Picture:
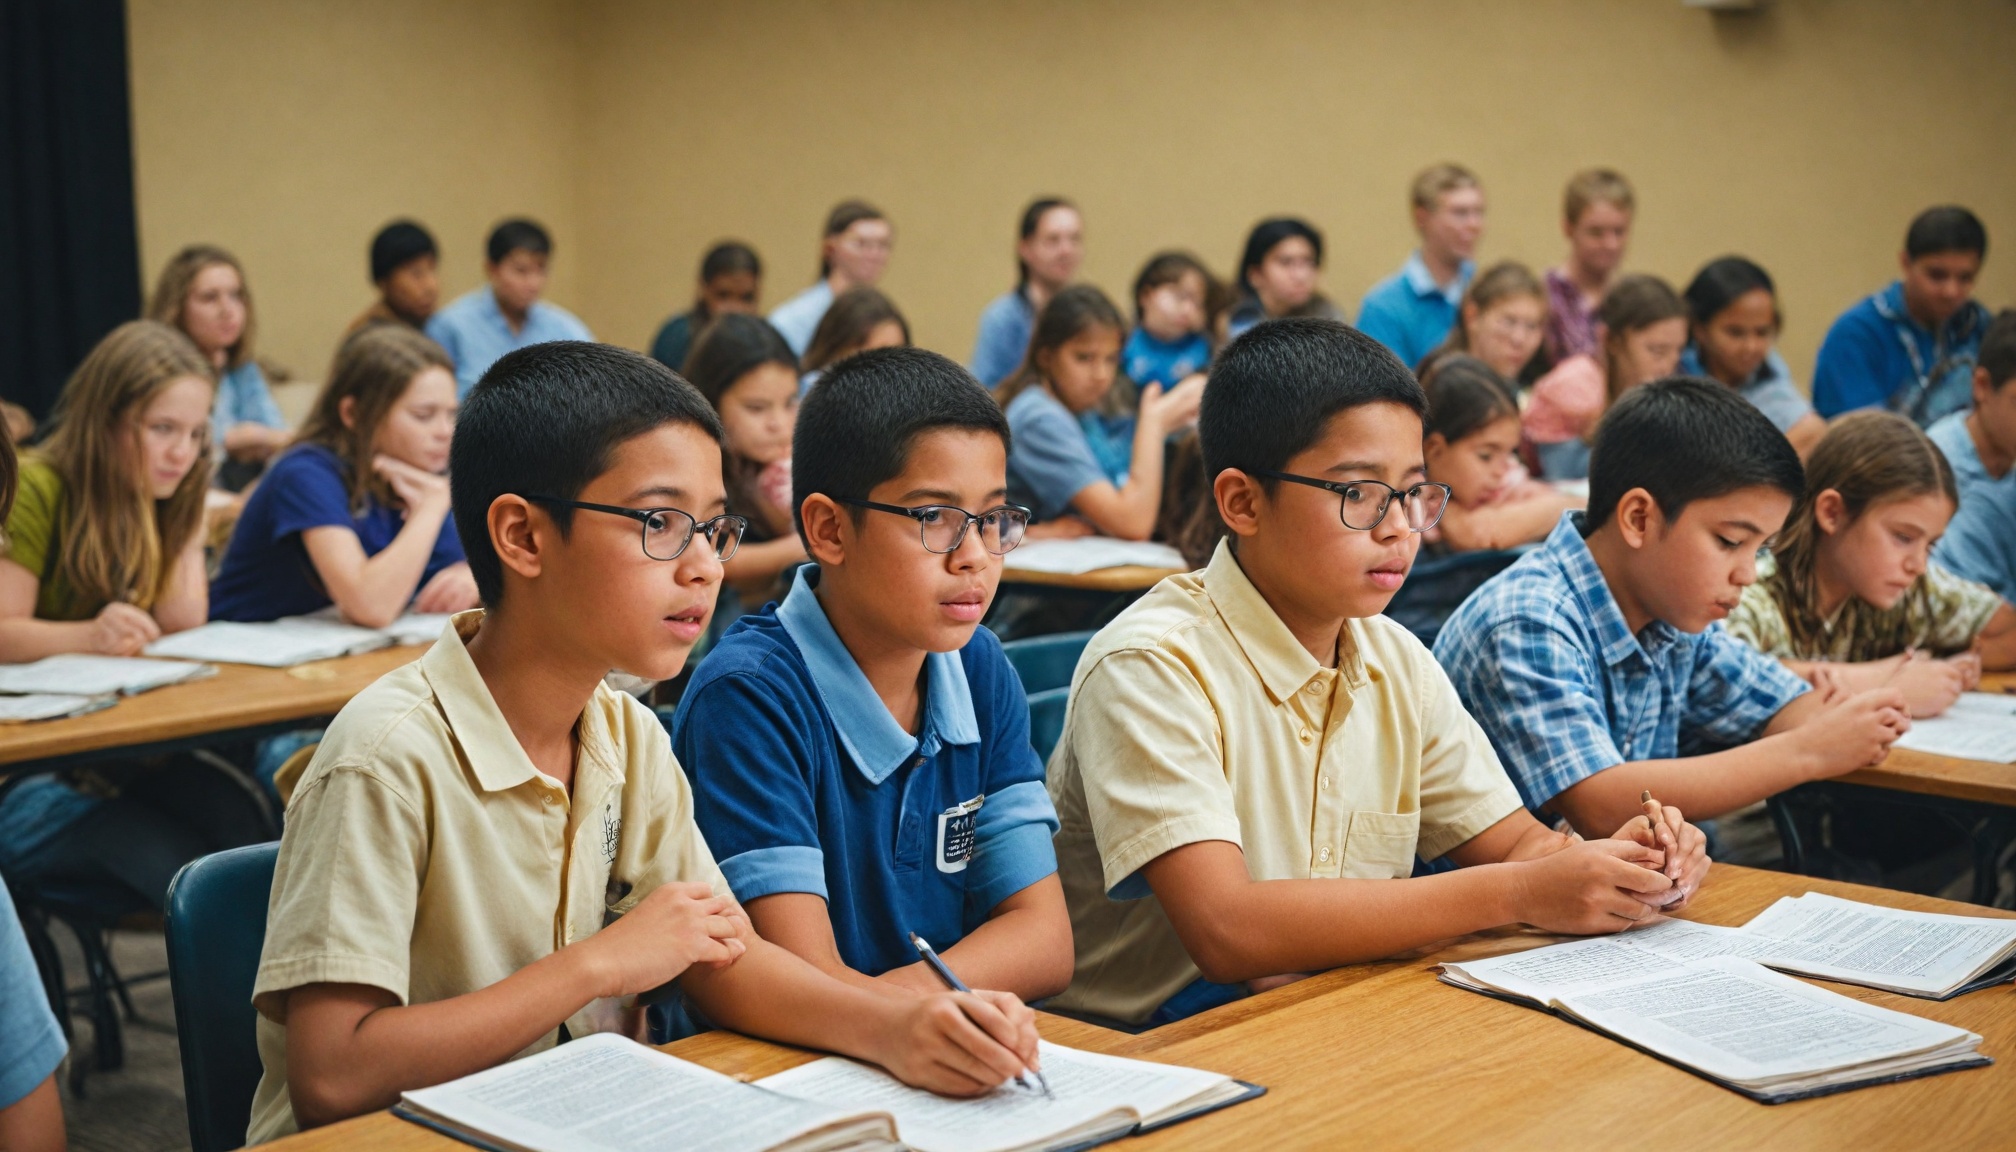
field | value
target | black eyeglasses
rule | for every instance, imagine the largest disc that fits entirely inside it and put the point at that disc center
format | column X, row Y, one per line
column 1422, row 505
column 943, row 526
column 667, row 531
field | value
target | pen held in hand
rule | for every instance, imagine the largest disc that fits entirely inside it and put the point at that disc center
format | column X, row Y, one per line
column 952, row 981
column 1655, row 819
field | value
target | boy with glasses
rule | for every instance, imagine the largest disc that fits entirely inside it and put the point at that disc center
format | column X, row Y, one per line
column 1255, row 758
column 492, row 851
column 860, row 753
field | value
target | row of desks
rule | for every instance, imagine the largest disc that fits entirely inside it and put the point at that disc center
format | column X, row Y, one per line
column 1384, row 1056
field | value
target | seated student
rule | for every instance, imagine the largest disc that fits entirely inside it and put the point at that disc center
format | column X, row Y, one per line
column 1733, row 309
column 356, row 513
column 1503, row 322
column 462, row 768
column 1412, row 310
column 1055, row 467
column 1471, row 446
column 1642, row 324
column 1254, row 758
column 1169, row 343
column 731, row 279
column 1277, row 275
column 1850, row 592
column 854, row 250
column 506, row 313
column 202, row 292
column 1596, row 211
column 860, row 319
column 1912, row 346
column 1593, row 661
column 1050, row 246
column 860, row 753
column 103, row 555
column 406, row 267
column 744, row 368
column 1981, row 445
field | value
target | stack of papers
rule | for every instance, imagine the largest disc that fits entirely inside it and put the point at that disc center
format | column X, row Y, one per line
column 1089, row 554
column 1979, row 726
column 74, row 674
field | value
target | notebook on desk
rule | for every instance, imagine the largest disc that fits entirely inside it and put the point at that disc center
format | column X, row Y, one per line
column 75, row 674
column 608, row 1094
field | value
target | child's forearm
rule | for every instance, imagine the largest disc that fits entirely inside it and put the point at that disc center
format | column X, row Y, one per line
column 1024, row 948
column 1703, row 787
column 185, row 602
column 24, row 638
column 372, row 591
column 774, row 994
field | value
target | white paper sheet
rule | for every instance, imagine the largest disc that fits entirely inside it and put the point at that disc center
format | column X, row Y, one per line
column 275, row 644
column 1089, row 554
column 47, row 706
column 1979, row 726
column 79, row 675
column 1923, row 952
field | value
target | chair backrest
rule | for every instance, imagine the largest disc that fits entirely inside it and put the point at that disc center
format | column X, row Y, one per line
column 216, row 927
column 1046, row 719
column 1046, row 662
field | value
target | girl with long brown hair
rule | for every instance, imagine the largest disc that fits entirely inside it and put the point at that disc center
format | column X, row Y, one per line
column 202, row 292
column 1641, row 328
column 103, row 552
column 357, row 513
column 1503, row 322
column 1850, row 594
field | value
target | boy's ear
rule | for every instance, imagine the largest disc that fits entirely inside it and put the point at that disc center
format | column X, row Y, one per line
column 1830, row 511
column 824, row 538
column 1239, row 498
column 516, row 535
column 1421, row 218
column 1638, row 518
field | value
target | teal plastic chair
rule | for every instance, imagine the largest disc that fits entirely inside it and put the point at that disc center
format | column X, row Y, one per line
column 216, row 927
column 1046, row 662
column 1046, row 719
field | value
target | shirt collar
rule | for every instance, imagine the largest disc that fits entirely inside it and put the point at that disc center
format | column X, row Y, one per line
column 1570, row 552
column 486, row 739
column 1423, row 282
column 1283, row 664
column 873, row 740
column 1767, row 371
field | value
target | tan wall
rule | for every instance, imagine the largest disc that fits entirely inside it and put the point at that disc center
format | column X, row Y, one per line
column 1804, row 136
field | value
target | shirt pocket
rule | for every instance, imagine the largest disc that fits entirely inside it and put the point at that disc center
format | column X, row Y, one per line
column 1380, row 845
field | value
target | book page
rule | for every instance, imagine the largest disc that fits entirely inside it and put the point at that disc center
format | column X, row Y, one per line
column 1825, row 935
column 1736, row 1020
column 275, row 644
column 1085, row 1086
column 604, row 1093
column 79, row 675
column 1965, row 732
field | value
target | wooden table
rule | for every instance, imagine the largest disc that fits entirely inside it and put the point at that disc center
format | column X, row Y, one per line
column 1127, row 578
column 1384, row 1056
column 240, row 699
column 1921, row 772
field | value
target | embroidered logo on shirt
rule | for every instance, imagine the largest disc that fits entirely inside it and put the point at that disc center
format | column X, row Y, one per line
column 612, row 834
column 955, row 835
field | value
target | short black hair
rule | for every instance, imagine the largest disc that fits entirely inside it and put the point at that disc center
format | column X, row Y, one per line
column 1721, row 281
column 544, row 421
column 1947, row 228
column 857, row 426
column 397, row 245
column 1275, row 388
column 1268, row 234
column 1998, row 348
column 1684, row 439
column 518, row 235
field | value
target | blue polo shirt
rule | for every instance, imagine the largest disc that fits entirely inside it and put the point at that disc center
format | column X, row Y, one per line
column 803, row 782
column 1148, row 360
column 1980, row 543
column 1875, row 355
column 1410, row 313
column 1005, row 325
column 476, row 335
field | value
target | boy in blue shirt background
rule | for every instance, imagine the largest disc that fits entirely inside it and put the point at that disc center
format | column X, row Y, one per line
column 1980, row 444
column 506, row 313
column 860, row 753
column 1596, row 664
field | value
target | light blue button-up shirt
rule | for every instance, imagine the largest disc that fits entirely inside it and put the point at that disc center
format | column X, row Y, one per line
column 1980, row 543
column 1412, row 314
column 476, row 335
column 1003, row 340
column 243, row 398
column 798, row 318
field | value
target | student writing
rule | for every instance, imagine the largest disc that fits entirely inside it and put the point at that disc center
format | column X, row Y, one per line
column 1049, row 247
column 1471, row 444
column 731, row 280
column 1733, row 308
column 357, row 513
column 506, row 312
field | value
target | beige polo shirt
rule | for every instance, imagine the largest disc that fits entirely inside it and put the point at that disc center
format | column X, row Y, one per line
column 1196, row 715
column 426, row 856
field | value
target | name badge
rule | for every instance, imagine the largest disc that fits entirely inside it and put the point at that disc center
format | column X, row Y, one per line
column 955, row 834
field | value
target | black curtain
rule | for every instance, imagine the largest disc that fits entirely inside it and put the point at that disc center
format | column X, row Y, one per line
column 69, row 248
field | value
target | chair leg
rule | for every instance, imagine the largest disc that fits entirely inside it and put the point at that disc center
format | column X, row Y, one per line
column 48, row 962
column 108, row 1040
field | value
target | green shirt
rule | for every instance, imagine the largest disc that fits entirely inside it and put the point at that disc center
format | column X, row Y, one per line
column 1940, row 613
column 33, row 538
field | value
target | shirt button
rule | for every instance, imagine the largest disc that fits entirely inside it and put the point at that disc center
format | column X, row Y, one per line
column 548, row 799
column 1323, row 854
column 1304, row 735
column 1326, row 783
column 1315, row 688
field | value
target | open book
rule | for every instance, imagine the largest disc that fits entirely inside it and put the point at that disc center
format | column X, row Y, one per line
column 1914, row 953
column 1723, row 1017
column 607, row 1094
column 274, row 644
column 1979, row 726
column 74, row 674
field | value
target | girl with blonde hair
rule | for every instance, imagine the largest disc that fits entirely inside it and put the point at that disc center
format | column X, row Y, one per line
column 202, row 292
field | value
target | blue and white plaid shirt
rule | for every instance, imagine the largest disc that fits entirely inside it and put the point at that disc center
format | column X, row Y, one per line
column 1542, row 657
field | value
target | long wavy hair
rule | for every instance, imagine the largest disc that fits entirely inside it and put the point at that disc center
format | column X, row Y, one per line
column 372, row 370
column 118, row 541
column 171, row 295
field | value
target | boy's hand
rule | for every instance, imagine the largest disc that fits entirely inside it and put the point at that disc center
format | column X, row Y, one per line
column 1931, row 686
column 1854, row 732
column 1683, row 848
column 1592, row 887
column 1969, row 665
column 959, row 1043
column 673, row 928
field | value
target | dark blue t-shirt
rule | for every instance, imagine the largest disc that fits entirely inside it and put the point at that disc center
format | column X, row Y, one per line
column 803, row 782
column 266, row 572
